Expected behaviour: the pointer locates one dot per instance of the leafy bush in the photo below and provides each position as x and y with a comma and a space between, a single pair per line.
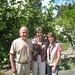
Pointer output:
4, 59
67, 63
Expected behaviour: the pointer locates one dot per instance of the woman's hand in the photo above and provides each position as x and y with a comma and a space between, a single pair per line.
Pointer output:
53, 69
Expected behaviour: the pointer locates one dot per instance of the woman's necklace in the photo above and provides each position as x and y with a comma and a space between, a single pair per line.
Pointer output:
50, 49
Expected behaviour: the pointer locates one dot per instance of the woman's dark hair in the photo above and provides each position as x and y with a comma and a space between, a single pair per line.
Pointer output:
38, 29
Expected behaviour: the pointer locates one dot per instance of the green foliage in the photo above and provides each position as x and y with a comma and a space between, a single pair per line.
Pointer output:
13, 15
65, 18
67, 63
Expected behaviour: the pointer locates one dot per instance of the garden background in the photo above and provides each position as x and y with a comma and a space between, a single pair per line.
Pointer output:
14, 14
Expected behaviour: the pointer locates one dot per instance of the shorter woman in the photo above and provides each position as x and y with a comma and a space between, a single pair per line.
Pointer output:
39, 53
53, 54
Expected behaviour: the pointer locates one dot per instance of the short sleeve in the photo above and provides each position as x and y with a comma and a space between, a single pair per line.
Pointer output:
12, 49
34, 41
59, 47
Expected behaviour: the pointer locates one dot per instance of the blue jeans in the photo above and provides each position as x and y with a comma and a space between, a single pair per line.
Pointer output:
49, 70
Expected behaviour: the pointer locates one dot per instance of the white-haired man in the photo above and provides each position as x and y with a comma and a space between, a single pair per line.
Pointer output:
21, 53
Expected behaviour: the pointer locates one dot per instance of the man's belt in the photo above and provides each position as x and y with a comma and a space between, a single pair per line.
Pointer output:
23, 62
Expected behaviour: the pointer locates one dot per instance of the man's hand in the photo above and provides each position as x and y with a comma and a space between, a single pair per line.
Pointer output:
13, 69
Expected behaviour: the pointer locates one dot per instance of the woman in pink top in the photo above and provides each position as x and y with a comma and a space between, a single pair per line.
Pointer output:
53, 54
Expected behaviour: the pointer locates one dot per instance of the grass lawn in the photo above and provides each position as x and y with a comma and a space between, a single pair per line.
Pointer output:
65, 46
0, 73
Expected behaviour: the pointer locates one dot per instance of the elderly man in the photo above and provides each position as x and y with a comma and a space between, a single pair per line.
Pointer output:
21, 53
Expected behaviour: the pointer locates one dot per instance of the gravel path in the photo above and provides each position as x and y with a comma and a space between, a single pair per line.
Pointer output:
67, 72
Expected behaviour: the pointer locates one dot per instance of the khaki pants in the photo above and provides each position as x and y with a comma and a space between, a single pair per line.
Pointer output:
22, 69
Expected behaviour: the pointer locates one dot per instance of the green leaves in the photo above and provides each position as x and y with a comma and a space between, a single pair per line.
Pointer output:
14, 14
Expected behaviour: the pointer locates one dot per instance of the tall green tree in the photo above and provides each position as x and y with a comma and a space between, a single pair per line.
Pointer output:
65, 18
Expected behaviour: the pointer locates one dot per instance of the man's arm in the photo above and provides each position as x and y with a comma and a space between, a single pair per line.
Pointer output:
12, 63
